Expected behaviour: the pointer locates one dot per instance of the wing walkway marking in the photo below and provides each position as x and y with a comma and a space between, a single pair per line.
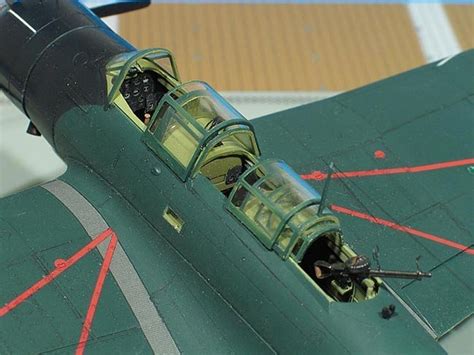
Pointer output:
466, 249
319, 175
154, 328
60, 267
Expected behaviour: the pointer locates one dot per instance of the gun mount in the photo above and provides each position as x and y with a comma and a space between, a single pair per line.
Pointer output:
359, 267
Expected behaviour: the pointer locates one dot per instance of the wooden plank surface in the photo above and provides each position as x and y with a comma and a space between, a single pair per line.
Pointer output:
462, 21
280, 46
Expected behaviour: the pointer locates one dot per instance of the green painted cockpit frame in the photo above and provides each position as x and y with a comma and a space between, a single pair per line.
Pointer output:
219, 137
125, 61
325, 223
208, 137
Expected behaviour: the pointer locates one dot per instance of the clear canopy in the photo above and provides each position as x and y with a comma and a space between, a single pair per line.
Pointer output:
192, 115
277, 205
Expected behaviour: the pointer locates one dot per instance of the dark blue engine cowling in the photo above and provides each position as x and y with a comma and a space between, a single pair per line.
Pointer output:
52, 58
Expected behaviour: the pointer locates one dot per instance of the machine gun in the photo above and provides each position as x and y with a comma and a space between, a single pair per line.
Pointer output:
359, 267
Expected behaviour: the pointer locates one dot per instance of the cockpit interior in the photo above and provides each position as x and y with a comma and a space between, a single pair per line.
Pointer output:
137, 81
283, 212
196, 131
142, 90
201, 133
330, 248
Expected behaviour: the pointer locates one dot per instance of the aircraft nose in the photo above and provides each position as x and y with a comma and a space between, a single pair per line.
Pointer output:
51, 57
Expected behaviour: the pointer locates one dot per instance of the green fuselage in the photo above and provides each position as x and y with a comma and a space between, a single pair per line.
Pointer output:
270, 294
58, 77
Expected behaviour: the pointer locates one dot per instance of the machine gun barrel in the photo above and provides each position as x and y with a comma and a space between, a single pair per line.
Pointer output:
399, 274
359, 266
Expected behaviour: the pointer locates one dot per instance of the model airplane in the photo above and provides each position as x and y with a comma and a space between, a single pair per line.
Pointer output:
177, 228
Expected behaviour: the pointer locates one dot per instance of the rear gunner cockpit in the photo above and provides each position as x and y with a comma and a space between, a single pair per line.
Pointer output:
282, 210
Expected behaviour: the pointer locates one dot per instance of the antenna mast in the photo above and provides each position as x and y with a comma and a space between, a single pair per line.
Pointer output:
325, 189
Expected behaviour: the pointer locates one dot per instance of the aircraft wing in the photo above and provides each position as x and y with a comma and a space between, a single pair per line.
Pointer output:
403, 149
82, 271
104, 8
